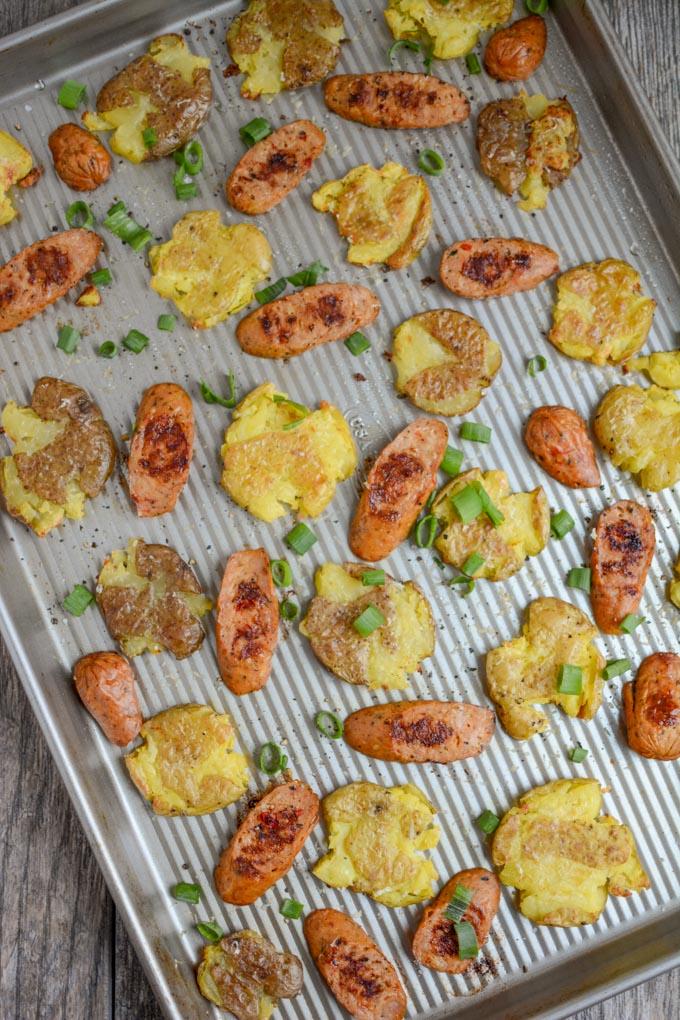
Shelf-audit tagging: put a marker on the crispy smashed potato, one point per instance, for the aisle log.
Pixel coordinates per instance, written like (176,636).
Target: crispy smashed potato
(662,367)
(209,270)
(166,90)
(151,600)
(63,454)
(640,431)
(245,975)
(523,532)
(392,651)
(674,590)
(16,163)
(187,764)
(385,214)
(601,314)
(285,44)
(454,29)
(271,467)
(563,856)
(444,361)
(375,838)
(524,672)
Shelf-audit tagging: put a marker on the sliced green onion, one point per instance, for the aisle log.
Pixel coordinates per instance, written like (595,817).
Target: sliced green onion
(300,539)
(77,601)
(452,462)
(430,162)
(467,503)
(628,623)
(488,507)
(616,667)
(271,292)
(303,411)
(193,157)
(79,214)
(135,341)
(460,901)
(309,276)
(473,64)
(430,499)
(402,44)
(185,191)
(561,524)
(68,339)
(166,323)
(329,724)
(569,679)
(289,610)
(536,364)
(578,754)
(108,349)
(124,227)
(101,277)
(373,578)
(426,531)
(255,130)
(488,822)
(474,431)
(292,909)
(368,621)
(149,137)
(579,577)
(357,343)
(271,759)
(71,94)
(536,6)
(428,55)
(210,930)
(211,397)
(186,892)
(473,563)
(141,237)
(282,575)
(468,948)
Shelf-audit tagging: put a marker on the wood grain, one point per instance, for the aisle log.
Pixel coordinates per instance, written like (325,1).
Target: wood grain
(63,953)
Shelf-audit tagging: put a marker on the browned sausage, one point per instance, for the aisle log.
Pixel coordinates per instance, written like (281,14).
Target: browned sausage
(42,273)
(161,450)
(396,99)
(80,159)
(106,686)
(622,552)
(557,437)
(651,705)
(435,944)
(483,267)
(266,842)
(515,52)
(272,168)
(359,975)
(300,321)
(420,731)
(246,628)
(397,488)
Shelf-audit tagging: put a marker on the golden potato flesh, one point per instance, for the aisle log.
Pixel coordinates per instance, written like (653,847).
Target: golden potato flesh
(601,314)
(245,975)
(386,656)
(444,361)
(285,44)
(675,587)
(15,162)
(166,90)
(187,764)
(272,465)
(385,214)
(524,531)
(453,28)
(640,431)
(376,835)
(525,672)
(663,368)
(563,856)
(209,270)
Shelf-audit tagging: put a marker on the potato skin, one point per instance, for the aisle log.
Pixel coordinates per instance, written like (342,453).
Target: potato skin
(397,488)
(396,99)
(274,167)
(301,321)
(420,731)
(246,628)
(43,272)
(557,438)
(358,974)
(79,158)
(105,684)
(651,705)
(483,267)
(161,450)
(435,944)
(515,52)
(266,842)
(622,552)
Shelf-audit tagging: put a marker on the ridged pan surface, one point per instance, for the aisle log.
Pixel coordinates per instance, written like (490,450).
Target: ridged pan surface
(596,214)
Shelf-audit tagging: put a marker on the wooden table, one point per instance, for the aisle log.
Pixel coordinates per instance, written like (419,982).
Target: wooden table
(64,954)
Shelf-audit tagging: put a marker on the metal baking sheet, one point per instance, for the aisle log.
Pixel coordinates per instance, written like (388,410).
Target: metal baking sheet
(621,201)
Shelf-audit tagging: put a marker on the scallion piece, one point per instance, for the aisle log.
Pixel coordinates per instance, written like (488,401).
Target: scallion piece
(578,754)
(68,339)
(488,822)
(282,575)
(124,227)
(488,507)
(185,191)
(468,948)
(357,343)
(77,601)
(192,157)
(210,930)
(271,292)
(473,563)
(135,341)
(536,364)
(402,44)
(329,724)
(616,667)
(536,6)
(452,462)
(467,503)
(255,130)
(167,323)
(271,759)
(426,531)
(460,901)
(630,622)
(373,578)
(292,909)
(101,277)
(428,56)
(139,239)
(473,64)
(79,214)
(300,539)
(280,398)
(561,524)
(211,397)
(289,610)
(107,350)
(309,276)
(579,577)
(368,621)
(149,137)
(430,162)
(569,679)
(71,94)
(475,432)
(186,892)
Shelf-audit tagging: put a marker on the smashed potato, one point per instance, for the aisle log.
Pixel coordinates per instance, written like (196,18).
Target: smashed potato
(444,361)
(385,214)
(663,368)
(16,163)
(392,651)
(245,975)
(375,838)
(601,314)
(563,856)
(454,29)
(523,532)
(167,91)
(524,672)
(151,600)
(285,44)
(63,454)
(187,764)
(674,591)
(209,270)
(272,465)
(640,431)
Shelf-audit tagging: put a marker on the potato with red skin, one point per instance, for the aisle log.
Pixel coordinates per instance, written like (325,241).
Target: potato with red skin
(266,843)
(651,705)
(105,684)
(79,158)
(420,731)
(484,267)
(298,322)
(274,167)
(396,99)
(246,628)
(357,972)
(622,552)
(397,488)
(161,450)
(435,944)
(515,52)
(557,438)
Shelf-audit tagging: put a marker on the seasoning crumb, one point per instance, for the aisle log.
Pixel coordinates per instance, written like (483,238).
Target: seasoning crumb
(359,377)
